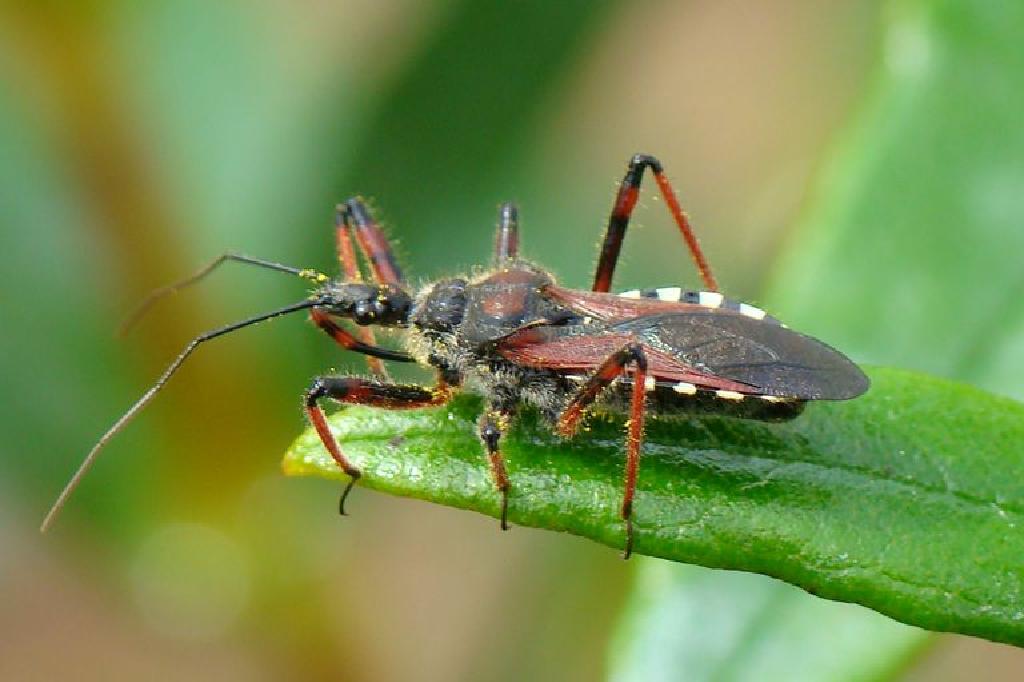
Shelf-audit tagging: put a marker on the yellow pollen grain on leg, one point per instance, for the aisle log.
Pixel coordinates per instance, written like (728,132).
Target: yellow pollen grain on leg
(313,275)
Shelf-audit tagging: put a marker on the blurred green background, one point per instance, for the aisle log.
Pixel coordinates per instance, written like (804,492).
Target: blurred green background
(138,140)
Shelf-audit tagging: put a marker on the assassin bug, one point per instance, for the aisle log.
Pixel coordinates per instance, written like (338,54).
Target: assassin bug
(515,336)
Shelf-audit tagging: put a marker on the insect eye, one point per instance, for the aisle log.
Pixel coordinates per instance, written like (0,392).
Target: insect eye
(366,312)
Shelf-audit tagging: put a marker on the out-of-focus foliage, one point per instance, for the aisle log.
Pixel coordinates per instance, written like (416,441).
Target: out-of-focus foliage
(908,256)
(138,140)
(916,232)
(718,625)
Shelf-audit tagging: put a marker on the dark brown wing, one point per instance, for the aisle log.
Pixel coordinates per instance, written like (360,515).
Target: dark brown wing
(774,359)
(738,343)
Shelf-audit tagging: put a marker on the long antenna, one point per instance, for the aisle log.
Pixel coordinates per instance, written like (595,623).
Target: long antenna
(143,307)
(148,396)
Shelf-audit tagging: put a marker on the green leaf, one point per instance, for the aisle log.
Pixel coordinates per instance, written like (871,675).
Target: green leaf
(904,500)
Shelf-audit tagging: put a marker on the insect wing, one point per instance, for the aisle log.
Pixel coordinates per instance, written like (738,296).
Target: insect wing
(753,350)
(774,359)
(578,349)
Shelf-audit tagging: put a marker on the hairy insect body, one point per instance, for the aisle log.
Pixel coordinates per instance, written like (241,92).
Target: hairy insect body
(456,324)
(514,336)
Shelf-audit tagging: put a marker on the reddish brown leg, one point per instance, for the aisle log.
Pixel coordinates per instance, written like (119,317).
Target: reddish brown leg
(634,445)
(625,202)
(355,391)
(506,239)
(350,267)
(372,241)
(612,368)
(492,424)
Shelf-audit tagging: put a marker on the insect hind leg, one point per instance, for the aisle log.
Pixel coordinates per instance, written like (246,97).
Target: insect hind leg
(568,422)
(625,202)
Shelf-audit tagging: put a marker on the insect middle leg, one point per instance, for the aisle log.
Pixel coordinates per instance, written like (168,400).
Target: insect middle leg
(493,422)
(356,391)
(568,423)
(625,202)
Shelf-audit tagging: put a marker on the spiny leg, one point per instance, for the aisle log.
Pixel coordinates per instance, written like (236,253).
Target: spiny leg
(372,241)
(343,245)
(356,391)
(611,369)
(625,202)
(506,238)
(492,424)
(350,268)
(634,445)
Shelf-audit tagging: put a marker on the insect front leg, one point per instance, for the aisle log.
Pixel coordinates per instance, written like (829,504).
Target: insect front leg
(625,202)
(492,424)
(568,423)
(349,342)
(356,391)
(350,268)
(372,242)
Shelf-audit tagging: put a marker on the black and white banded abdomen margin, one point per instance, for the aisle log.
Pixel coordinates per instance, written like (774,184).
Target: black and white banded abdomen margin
(677,397)
(706,299)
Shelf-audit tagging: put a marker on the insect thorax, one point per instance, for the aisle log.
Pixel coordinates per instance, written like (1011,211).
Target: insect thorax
(455,323)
